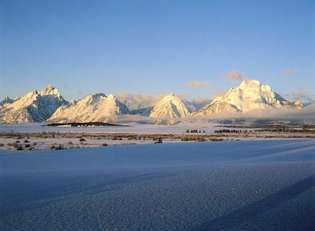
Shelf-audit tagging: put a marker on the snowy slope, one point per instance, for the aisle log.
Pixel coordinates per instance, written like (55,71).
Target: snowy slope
(241,186)
(251,95)
(92,108)
(36,106)
(171,107)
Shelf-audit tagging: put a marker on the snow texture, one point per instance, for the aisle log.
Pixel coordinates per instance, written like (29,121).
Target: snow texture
(92,108)
(170,108)
(236,186)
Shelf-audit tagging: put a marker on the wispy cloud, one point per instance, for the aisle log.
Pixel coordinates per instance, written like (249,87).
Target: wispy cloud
(218,94)
(302,95)
(196,84)
(289,72)
(137,101)
(235,75)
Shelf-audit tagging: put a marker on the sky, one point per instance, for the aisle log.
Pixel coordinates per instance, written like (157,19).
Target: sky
(193,48)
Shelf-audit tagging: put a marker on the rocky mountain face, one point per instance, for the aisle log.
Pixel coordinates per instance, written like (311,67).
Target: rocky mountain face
(92,108)
(36,106)
(169,108)
(250,95)
(6,100)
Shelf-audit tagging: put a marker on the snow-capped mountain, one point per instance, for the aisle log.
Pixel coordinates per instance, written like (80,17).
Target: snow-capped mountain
(169,108)
(48,104)
(36,106)
(92,108)
(251,95)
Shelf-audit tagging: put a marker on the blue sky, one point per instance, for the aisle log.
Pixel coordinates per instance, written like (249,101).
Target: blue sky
(155,47)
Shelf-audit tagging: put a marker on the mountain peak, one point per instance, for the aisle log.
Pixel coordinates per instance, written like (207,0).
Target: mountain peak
(169,107)
(35,106)
(250,83)
(110,96)
(172,94)
(50,90)
(50,87)
(254,84)
(91,99)
(250,95)
(92,108)
(171,97)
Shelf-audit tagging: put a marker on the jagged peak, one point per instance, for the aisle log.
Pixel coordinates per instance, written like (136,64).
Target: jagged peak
(113,99)
(172,94)
(91,99)
(250,82)
(50,90)
(111,96)
(254,84)
(171,97)
(100,94)
(50,87)
(170,107)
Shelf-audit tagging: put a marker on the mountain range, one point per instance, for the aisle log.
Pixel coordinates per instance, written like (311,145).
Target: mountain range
(49,105)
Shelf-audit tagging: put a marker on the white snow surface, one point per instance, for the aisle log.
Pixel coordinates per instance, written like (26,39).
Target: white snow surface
(235,186)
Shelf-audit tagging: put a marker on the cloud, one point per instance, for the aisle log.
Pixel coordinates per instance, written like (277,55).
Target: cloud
(197,84)
(235,75)
(302,96)
(218,94)
(138,101)
(289,72)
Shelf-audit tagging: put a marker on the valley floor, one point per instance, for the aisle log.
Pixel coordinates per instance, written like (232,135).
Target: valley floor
(236,186)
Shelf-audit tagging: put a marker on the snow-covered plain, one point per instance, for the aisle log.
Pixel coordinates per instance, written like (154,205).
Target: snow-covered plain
(247,185)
